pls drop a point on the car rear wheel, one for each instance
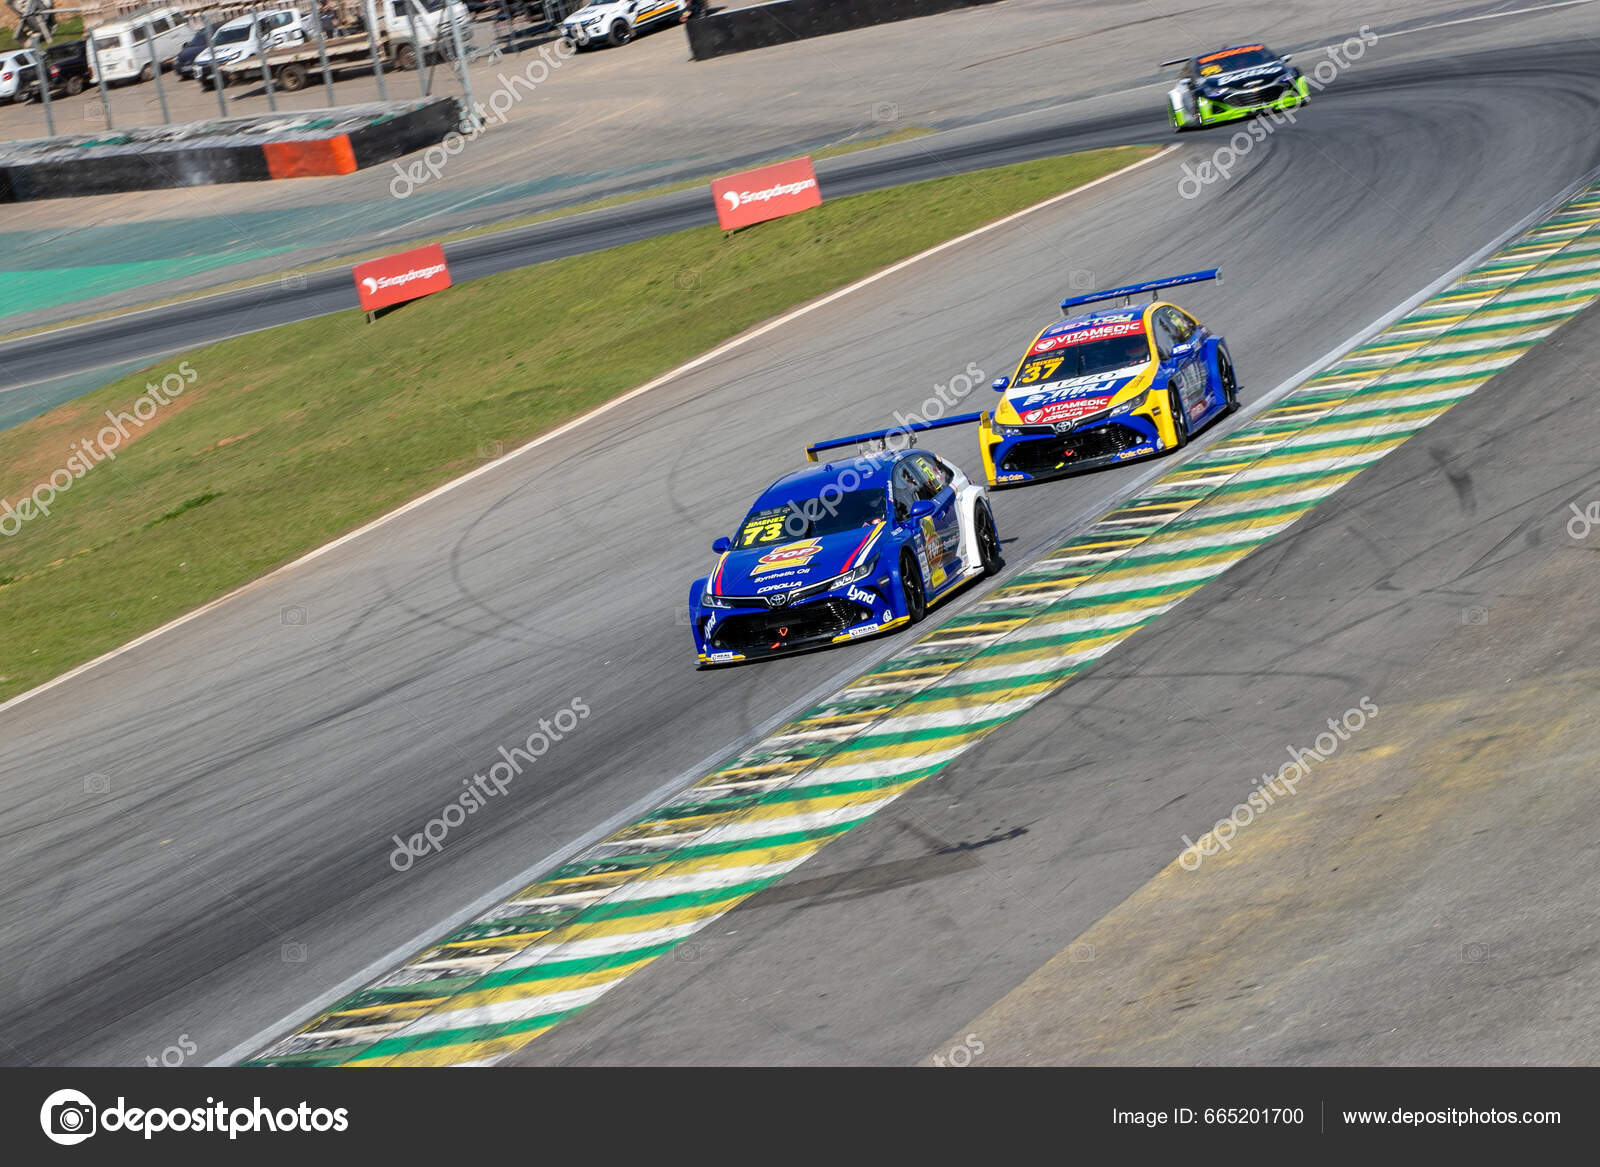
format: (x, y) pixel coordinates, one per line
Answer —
(988, 541)
(621, 34)
(146, 73)
(1230, 384)
(74, 86)
(911, 587)
(405, 57)
(292, 78)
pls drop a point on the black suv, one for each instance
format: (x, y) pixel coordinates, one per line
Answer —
(183, 66)
(68, 63)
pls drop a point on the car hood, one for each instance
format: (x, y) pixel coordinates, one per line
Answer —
(1240, 76)
(779, 567)
(1068, 400)
(594, 11)
(228, 52)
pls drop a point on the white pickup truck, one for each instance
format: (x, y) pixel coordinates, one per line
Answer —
(294, 65)
(616, 22)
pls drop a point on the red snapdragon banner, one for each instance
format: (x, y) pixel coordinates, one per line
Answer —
(767, 193)
(395, 279)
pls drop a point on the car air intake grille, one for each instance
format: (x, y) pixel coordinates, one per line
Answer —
(1047, 454)
(780, 628)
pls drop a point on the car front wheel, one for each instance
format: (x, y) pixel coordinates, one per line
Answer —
(1180, 423)
(911, 587)
(621, 34)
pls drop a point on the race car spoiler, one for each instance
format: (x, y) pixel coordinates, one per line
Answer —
(908, 429)
(1132, 290)
(1179, 61)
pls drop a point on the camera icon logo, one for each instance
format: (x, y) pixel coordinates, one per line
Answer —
(68, 1117)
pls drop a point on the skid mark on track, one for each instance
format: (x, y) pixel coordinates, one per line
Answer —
(558, 945)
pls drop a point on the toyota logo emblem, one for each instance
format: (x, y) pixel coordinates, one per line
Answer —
(778, 600)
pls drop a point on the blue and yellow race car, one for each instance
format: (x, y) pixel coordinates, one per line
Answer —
(836, 552)
(1108, 386)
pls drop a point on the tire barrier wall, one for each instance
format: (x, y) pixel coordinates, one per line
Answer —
(252, 149)
(784, 21)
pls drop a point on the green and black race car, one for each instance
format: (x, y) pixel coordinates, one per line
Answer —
(1235, 83)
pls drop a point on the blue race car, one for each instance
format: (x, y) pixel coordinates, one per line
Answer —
(1108, 386)
(839, 551)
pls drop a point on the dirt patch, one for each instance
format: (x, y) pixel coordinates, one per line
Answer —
(41, 446)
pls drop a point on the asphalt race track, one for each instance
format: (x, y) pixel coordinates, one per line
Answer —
(185, 325)
(189, 324)
(228, 863)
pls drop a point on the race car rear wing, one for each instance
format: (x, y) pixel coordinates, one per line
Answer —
(1132, 290)
(908, 431)
(1179, 61)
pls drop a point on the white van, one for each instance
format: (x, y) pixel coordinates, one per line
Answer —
(243, 39)
(121, 49)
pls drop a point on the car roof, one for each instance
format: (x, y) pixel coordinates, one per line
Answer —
(123, 23)
(1231, 49)
(1072, 323)
(811, 478)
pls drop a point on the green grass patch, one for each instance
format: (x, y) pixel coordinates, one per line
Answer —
(65, 30)
(845, 146)
(297, 434)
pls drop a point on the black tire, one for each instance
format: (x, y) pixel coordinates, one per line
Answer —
(620, 33)
(405, 57)
(911, 588)
(74, 86)
(1230, 383)
(988, 540)
(292, 78)
(146, 74)
(1180, 422)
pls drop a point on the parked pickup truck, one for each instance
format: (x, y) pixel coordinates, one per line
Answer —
(294, 65)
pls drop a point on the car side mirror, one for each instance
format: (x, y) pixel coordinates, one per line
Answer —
(999, 384)
(721, 543)
(923, 507)
(1288, 56)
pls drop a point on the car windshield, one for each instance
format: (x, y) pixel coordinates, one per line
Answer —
(806, 517)
(230, 36)
(1247, 57)
(1085, 359)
